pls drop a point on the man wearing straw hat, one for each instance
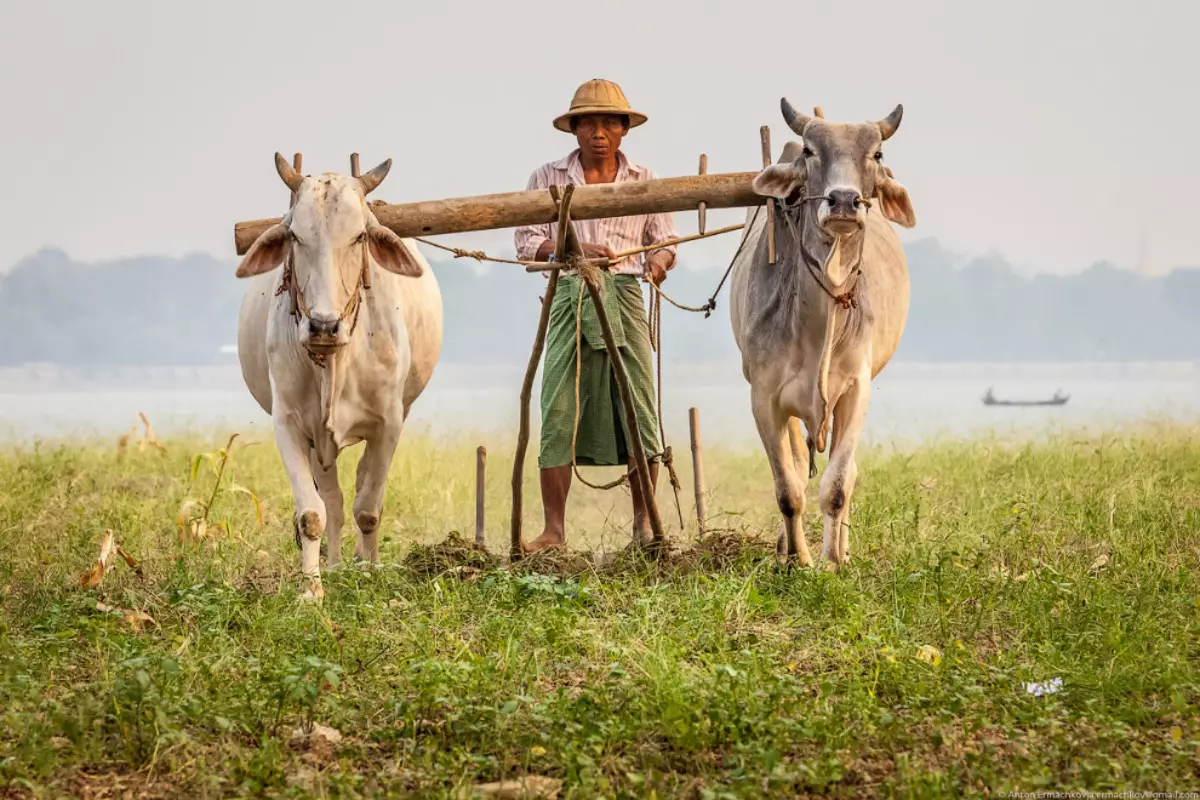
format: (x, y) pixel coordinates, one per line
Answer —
(599, 118)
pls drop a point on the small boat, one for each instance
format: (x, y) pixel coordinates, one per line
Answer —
(1059, 399)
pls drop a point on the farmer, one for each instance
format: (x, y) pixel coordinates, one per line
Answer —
(599, 118)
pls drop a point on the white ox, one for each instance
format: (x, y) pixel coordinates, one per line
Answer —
(815, 327)
(347, 366)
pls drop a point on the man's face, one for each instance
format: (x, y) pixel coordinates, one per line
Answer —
(600, 135)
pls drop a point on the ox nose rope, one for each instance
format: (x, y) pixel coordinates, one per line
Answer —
(300, 311)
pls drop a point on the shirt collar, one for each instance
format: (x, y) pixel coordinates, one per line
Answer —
(573, 166)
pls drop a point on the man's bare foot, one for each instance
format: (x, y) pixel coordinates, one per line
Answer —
(546, 541)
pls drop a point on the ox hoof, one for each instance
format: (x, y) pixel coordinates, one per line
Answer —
(832, 567)
(315, 592)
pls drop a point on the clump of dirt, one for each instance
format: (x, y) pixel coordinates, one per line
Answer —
(637, 559)
(556, 561)
(454, 554)
(723, 549)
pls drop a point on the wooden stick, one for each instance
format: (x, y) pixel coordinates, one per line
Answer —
(698, 470)
(535, 357)
(480, 474)
(640, 463)
(703, 209)
(818, 112)
(597, 201)
(354, 173)
(298, 165)
(764, 133)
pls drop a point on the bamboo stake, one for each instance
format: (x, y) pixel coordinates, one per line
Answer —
(818, 112)
(539, 342)
(354, 173)
(480, 475)
(703, 208)
(698, 470)
(765, 134)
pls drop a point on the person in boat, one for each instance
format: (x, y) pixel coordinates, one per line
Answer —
(599, 117)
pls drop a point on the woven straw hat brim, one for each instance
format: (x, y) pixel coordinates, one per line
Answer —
(563, 123)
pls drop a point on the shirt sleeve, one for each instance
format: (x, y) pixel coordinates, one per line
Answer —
(528, 238)
(659, 227)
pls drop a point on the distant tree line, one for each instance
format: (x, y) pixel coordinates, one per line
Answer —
(182, 311)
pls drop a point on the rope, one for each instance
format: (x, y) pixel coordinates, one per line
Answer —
(668, 457)
(478, 255)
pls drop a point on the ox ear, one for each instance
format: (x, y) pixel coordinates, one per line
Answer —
(391, 252)
(780, 180)
(893, 198)
(268, 252)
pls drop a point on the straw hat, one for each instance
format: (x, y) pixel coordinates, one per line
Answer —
(598, 96)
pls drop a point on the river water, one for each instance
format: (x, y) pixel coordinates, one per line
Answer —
(911, 403)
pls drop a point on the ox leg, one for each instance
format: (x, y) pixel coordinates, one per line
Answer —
(837, 485)
(789, 490)
(368, 501)
(310, 508)
(335, 511)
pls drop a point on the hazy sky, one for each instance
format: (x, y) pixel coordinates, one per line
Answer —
(1057, 133)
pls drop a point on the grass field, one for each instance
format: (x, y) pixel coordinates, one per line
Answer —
(978, 568)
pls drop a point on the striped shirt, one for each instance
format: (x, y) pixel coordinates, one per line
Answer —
(619, 233)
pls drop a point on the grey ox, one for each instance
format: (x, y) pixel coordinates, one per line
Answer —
(336, 347)
(818, 325)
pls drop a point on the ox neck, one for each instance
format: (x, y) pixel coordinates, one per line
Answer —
(837, 256)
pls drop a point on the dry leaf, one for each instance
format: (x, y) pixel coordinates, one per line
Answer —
(530, 786)
(149, 437)
(930, 654)
(92, 578)
(138, 620)
(1176, 734)
(319, 731)
(1100, 563)
(133, 565)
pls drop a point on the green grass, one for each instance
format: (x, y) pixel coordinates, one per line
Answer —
(717, 679)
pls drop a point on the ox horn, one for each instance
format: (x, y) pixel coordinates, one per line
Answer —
(795, 120)
(292, 178)
(888, 125)
(375, 177)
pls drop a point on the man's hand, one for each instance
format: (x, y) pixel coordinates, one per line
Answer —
(592, 250)
(657, 265)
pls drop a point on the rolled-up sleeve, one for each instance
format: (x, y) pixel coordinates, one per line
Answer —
(528, 238)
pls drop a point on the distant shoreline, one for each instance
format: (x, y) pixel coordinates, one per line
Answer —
(33, 378)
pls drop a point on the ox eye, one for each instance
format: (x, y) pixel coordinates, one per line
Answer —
(294, 237)
(879, 155)
(362, 237)
(808, 153)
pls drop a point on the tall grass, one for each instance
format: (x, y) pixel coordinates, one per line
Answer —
(978, 568)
